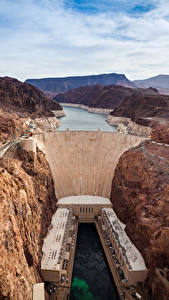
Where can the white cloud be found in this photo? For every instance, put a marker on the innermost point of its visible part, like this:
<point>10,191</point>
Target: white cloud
<point>43,38</point>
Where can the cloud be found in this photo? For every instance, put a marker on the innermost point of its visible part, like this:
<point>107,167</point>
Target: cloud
<point>42,38</point>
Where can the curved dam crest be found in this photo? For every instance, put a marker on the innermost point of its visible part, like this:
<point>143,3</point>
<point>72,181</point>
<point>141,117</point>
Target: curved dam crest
<point>83,162</point>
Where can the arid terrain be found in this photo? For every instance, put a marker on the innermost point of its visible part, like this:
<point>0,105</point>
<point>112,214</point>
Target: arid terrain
<point>139,190</point>
<point>19,102</point>
<point>53,86</point>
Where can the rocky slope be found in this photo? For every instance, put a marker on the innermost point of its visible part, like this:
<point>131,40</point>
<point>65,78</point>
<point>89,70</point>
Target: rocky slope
<point>126,102</point>
<point>24,99</point>
<point>140,196</point>
<point>10,125</point>
<point>143,103</point>
<point>160,132</point>
<point>95,96</point>
<point>53,86</point>
<point>159,128</point>
<point>27,203</point>
<point>18,102</point>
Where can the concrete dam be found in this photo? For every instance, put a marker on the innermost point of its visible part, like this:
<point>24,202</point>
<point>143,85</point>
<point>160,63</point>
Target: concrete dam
<point>83,162</point>
<point>83,165</point>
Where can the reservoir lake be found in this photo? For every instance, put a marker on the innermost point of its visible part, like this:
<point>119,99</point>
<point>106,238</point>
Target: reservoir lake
<point>80,119</point>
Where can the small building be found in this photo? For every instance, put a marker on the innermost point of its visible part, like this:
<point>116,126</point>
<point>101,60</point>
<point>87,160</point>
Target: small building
<point>56,247</point>
<point>85,207</point>
<point>130,258</point>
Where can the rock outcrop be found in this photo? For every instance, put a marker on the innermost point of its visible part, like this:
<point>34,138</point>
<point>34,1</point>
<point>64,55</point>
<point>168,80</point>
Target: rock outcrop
<point>97,96</point>
<point>27,203</point>
<point>10,125</point>
<point>140,197</point>
<point>19,102</point>
<point>160,132</point>
<point>24,99</point>
<point>124,102</point>
<point>53,86</point>
<point>142,103</point>
<point>159,128</point>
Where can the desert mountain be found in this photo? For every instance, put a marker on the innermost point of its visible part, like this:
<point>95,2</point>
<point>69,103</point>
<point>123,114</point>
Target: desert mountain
<point>160,82</point>
<point>143,103</point>
<point>97,96</point>
<point>127,102</point>
<point>53,86</point>
<point>24,99</point>
<point>18,102</point>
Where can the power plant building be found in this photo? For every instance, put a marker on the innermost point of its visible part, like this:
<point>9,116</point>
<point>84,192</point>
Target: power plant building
<point>85,207</point>
<point>130,258</point>
<point>56,247</point>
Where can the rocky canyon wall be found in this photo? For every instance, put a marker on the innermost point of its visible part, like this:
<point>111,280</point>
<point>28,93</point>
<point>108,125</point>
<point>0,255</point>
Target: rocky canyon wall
<point>140,196</point>
<point>27,203</point>
<point>21,104</point>
<point>83,162</point>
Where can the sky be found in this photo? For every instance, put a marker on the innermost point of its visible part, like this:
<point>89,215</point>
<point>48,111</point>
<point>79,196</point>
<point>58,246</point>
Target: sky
<point>58,38</point>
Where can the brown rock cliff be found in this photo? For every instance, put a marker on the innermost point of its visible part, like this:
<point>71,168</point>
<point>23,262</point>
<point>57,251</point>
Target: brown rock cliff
<point>24,99</point>
<point>98,96</point>
<point>19,101</point>
<point>27,203</point>
<point>140,196</point>
<point>143,103</point>
<point>160,132</point>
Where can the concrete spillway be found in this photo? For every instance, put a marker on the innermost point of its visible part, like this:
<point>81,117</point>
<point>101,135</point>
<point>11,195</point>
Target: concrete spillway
<point>83,162</point>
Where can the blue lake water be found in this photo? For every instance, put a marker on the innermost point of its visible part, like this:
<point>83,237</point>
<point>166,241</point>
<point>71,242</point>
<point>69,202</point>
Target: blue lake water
<point>80,119</point>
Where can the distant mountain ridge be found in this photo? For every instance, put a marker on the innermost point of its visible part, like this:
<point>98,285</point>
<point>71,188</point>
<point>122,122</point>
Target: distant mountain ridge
<point>53,86</point>
<point>160,82</point>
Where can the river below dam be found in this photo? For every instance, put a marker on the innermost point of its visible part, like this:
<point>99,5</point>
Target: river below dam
<point>80,119</point>
<point>91,279</point>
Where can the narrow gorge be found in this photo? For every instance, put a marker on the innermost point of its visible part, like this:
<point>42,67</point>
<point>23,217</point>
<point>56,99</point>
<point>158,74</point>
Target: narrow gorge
<point>41,167</point>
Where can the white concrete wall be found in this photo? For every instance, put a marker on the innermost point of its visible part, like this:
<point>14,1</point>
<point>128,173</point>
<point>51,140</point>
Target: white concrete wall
<point>29,144</point>
<point>83,162</point>
<point>39,291</point>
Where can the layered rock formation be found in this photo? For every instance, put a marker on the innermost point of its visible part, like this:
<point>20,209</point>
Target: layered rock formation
<point>160,132</point>
<point>10,124</point>
<point>24,99</point>
<point>53,86</point>
<point>18,102</point>
<point>97,96</point>
<point>143,103</point>
<point>126,102</point>
<point>27,203</point>
<point>140,196</point>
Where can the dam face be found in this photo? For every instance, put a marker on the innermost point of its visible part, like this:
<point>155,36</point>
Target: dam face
<point>83,162</point>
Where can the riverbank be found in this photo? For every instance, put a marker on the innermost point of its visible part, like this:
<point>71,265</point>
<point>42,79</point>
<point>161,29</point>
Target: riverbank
<point>127,126</point>
<point>59,113</point>
<point>89,109</point>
